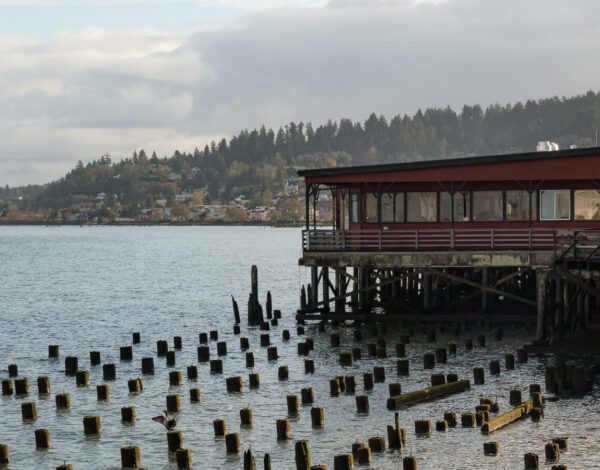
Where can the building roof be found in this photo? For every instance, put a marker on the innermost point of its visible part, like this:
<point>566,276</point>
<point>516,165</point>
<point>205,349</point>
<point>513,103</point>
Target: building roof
<point>452,162</point>
<point>571,164</point>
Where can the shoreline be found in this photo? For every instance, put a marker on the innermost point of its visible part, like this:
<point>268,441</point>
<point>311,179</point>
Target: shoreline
<point>149,224</point>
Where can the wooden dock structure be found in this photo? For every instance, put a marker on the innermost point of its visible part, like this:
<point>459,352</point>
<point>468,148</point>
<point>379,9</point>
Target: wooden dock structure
<point>495,239</point>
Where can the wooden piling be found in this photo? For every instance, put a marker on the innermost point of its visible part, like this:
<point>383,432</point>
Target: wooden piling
<point>409,463</point>
<point>491,448</point>
<point>203,338</point>
<point>183,458</point>
<point>309,366</point>
<point>468,420</point>
<point>43,385</point>
<point>302,455</point>
<point>173,403</point>
<point>4,454</point>
<point>272,353</point>
<point>317,416</point>
<point>63,401</point>
<point>7,387</point>
<point>220,427</point>
<point>175,378</point>
<point>450,418</point>
<point>131,457</point>
<point>307,395</point>
<point>216,366</point>
<point>103,392</point>
<point>441,425</point>
<point>177,343</point>
<point>128,414</point>
<point>552,451</point>
<point>53,351</point>
<point>478,376</point>
<point>29,411</point>
<point>213,335</point>
<point>343,462</point>
<point>222,348</point>
<point>363,455</point>
<point>136,338</point>
<point>21,387</point>
<point>254,380</point>
<point>195,395</point>
<point>71,365</point>
<point>362,404</point>
<point>494,367</point>
<point>109,372</point>
<point>162,346</point>
<point>283,429</point>
<point>234,384</point>
<point>349,384</point>
<point>334,387</point>
<point>515,397</point>
<point>92,425</point>
<point>82,378</point>
<point>192,373</point>
<point>428,360</point>
<point>246,416</point>
<point>292,405</point>
<point>126,353</point>
<point>509,361</point>
<point>174,440</point>
<point>522,356</point>
<point>441,356</point>
<point>422,426</point>
<point>531,461</point>
<point>42,438</point>
<point>148,365</point>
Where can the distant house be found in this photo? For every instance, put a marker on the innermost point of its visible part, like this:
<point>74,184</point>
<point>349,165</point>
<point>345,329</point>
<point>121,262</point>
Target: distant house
<point>101,197</point>
<point>215,211</point>
<point>259,214</point>
<point>161,202</point>
<point>184,197</point>
<point>79,217</point>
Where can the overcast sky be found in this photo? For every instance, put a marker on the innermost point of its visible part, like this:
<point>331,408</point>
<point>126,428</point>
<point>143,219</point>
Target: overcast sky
<point>80,78</point>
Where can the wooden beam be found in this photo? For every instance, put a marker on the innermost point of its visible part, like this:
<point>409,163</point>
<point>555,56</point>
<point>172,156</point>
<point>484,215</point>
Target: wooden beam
<point>477,285</point>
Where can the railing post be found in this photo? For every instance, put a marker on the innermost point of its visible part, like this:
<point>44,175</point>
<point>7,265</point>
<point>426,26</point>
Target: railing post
<point>380,239</point>
<point>530,238</point>
<point>417,239</point>
<point>452,239</point>
<point>492,237</point>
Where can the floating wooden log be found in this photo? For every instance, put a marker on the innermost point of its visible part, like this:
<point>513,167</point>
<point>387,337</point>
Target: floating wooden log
<point>426,394</point>
<point>507,418</point>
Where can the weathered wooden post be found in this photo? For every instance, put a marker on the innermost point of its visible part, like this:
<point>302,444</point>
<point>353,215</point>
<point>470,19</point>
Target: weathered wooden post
<point>302,455</point>
<point>131,457</point>
<point>4,454</point>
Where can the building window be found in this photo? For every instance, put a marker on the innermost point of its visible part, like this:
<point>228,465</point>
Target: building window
<point>462,207</point>
<point>587,204</point>
<point>518,206</point>
<point>421,207</point>
<point>354,208</point>
<point>371,208</point>
<point>392,207</point>
<point>555,204</point>
<point>487,205</point>
<point>445,207</point>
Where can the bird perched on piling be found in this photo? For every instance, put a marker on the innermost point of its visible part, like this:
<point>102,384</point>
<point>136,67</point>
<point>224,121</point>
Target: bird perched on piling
<point>163,419</point>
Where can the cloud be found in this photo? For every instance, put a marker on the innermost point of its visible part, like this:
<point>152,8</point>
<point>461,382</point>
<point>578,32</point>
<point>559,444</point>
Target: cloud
<point>87,92</point>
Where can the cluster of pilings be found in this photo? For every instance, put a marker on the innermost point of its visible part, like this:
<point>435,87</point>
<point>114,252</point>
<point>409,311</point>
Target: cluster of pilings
<point>393,436</point>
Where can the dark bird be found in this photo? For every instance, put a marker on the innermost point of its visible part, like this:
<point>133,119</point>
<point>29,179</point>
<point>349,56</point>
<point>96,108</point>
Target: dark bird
<point>163,419</point>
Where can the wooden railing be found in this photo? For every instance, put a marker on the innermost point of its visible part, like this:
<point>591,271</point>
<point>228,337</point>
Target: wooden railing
<point>428,240</point>
<point>582,245</point>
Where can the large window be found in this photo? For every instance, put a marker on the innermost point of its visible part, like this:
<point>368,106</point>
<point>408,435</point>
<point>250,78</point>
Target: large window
<point>392,207</point>
<point>354,199</point>
<point>371,208</point>
<point>421,207</point>
<point>462,206</point>
<point>518,206</point>
<point>555,204</point>
<point>587,204</point>
<point>487,205</point>
<point>445,207</point>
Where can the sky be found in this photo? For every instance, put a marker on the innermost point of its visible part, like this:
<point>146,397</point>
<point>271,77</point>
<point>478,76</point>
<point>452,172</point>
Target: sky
<point>82,78</point>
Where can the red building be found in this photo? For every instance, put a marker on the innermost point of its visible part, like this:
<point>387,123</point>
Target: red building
<point>409,235</point>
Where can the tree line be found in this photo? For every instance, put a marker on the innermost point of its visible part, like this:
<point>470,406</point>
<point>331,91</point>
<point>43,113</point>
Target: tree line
<point>258,162</point>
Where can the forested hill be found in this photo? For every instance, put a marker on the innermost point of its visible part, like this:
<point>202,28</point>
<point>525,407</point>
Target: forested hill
<point>257,163</point>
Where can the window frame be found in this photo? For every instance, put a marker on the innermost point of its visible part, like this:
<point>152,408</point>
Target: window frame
<point>555,191</point>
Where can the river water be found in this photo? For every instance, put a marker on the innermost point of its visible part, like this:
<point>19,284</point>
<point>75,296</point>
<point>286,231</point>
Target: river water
<point>89,288</point>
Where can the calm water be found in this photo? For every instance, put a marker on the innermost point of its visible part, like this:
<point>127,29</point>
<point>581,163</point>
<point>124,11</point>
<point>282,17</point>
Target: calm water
<point>90,288</point>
